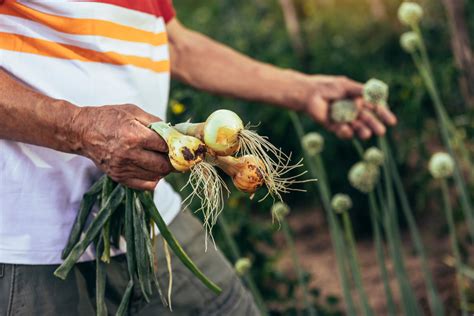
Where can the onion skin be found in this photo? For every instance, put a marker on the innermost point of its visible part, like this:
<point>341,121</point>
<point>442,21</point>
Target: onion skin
<point>220,132</point>
<point>244,171</point>
<point>184,151</point>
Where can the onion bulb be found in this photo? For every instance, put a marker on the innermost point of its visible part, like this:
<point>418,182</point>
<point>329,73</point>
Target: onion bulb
<point>220,132</point>
<point>224,134</point>
<point>244,171</point>
<point>184,151</point>
<point>187,153</point>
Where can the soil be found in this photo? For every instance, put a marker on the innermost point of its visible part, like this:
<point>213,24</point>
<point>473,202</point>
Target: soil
<point>315,250</point>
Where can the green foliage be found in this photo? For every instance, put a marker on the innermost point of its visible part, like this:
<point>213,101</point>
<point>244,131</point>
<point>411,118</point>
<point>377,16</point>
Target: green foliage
<point>341,37</point>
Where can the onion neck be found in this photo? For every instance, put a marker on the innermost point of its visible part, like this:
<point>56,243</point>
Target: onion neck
<point>191,129</point>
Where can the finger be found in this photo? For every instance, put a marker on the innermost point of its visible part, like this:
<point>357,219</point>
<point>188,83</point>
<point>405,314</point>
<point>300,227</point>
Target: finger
<point>343,131</point>
<point>370,120</point>
<point>361,104</point>
<point>353,88</point>
<point>143,117</point>
<point>139,184</point>
<point>152,161</point>
<point>136,172</point>
<point>318,109</point>
<point>386,115</point>
<point>362,130</point>
<point>152,141</point>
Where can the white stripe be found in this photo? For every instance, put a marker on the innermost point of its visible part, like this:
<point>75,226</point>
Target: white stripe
<point>100,11</point>
<point>88,83</point>
<point>15,25</point>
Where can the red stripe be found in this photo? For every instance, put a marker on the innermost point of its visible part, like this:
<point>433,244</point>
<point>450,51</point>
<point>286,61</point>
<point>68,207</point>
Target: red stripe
<point>163,8</point>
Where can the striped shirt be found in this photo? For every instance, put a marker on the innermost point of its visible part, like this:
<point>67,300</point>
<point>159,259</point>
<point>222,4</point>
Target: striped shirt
<point>89,53</point>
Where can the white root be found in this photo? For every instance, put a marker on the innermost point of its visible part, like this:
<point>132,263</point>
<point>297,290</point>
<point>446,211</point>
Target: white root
<point>277,163</point>
<point>209,188</point>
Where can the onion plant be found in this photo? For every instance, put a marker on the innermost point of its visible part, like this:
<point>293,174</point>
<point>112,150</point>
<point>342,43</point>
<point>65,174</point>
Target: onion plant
<point>341,203</point>
<point>279,212</point>
<point>312,144</point>
<point>441,167</point>
<point>410,14</point>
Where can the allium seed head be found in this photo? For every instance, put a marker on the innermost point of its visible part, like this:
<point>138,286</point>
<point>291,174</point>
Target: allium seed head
<point>376,92</point>
<point>374,156</point>
<point>363,176</point>
<point>410,42</point>
<point>242,266</point>
<point>344,111</point>
<point>410,13</point>
<point>313,143</point>
<point>441,165</point>
<point>341,203</point>
<point>280,210</point>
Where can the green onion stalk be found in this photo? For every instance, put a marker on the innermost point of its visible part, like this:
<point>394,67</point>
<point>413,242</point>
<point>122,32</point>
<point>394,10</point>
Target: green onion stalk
<point>412,42</point>
<point>279,211</point>
<point>435,301</point>
<point>236,255</point>
<point>364,176</point>
<point>341,203</point>
<point>315,165</point>
<point>441,167</point>
<point>376,93</point>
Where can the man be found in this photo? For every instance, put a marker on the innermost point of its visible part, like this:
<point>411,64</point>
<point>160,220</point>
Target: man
<point>79,83</point>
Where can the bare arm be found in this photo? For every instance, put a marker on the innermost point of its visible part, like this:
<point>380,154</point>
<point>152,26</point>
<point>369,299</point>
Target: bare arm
<point>210,66</point>
<point>114,137</point>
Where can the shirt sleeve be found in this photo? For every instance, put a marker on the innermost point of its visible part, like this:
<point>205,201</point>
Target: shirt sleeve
<point>167,9</point>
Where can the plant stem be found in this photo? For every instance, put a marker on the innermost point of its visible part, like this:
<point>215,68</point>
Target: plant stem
<point>317,169</point>
<point>354,262</point>
<point>150,208</point>
<point>409,303</point>
<point>374,214</point>
<point>436,304</point>
<point>446,126</point>
<point>297,266</point>
<point>448,211</point>
<point>235,254</point>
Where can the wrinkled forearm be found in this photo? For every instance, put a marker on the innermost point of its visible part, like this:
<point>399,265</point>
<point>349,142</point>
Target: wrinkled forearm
<point>31,117</point>
<point>207,65</point>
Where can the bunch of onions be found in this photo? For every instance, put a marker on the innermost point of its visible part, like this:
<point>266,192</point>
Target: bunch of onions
<point>132,215</point>
<point>224,134</point>
<point>187,153</point>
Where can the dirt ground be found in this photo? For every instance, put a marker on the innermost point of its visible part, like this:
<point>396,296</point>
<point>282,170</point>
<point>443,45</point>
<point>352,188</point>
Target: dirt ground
<point>315,250</point>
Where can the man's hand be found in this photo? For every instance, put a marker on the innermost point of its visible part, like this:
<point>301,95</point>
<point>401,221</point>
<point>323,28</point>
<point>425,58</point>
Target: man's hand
<point>119,142</point>
<point>327,89</point>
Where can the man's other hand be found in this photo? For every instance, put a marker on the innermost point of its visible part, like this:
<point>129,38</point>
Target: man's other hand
<point>327,89</point>
<point>119,142</point>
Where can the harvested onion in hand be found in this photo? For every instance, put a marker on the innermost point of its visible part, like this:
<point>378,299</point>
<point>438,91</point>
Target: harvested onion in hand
<point>192,147</point>
<point>244,171</point>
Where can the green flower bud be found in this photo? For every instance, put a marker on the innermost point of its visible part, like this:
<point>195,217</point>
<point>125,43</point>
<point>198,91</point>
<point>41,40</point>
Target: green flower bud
<point>341,203</point>
<point>376,92</point>
<point>410,42</point>
<point>280,210</point>
<point>242,266</point>
<point>364,176</point>
<point>374,156</point>
<point>313,143</point>
<point>344,111</point>
<point>441,165</point>
<point>410,13</point>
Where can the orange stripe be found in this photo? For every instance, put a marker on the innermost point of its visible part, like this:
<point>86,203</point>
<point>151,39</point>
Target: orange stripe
<point>25,44</point>
<point>83,26</point>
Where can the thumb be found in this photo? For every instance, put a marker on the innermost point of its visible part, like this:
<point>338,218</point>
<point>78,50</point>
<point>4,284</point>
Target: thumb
<point>318,109</point>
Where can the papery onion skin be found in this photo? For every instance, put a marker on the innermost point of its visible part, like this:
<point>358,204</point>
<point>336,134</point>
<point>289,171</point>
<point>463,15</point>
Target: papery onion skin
<point>245,172</point>
<point>184,151</point>
<point>221,132</point>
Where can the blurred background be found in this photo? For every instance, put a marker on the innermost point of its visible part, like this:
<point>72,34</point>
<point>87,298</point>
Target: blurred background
<point>358,39</point>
